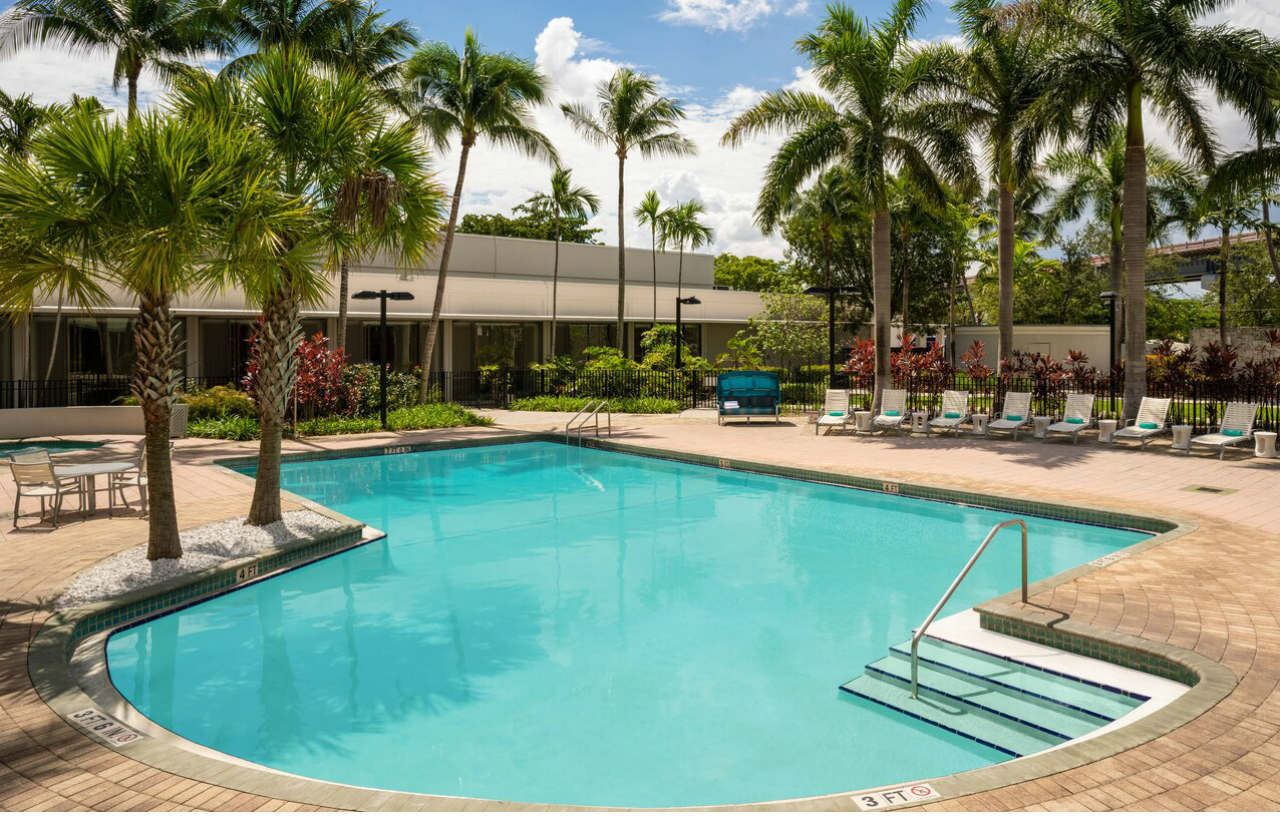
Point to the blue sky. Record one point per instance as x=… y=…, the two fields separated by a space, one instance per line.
x=718 y=56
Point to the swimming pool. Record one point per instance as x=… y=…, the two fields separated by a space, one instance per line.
x=7 y=447
x=555 y=624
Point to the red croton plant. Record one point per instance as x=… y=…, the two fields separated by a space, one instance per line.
x=318 y=387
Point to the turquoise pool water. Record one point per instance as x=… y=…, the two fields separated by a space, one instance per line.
x=553 y=624
x=7 y=447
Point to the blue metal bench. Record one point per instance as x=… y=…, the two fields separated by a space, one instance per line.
x=748 y=394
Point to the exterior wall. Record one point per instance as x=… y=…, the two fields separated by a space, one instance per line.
x=1251 y=342
x=1054 y=341
x=716 y=336
x=49 y=422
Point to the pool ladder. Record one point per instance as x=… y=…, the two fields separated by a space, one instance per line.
x=946 y=597
x=592 y=411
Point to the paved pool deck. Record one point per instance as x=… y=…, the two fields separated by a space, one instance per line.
x=1215 y=591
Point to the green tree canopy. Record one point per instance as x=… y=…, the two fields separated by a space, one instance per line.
x=529 y=224
x=755 y=274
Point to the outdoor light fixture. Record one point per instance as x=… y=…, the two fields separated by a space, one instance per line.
x=831 y=293
x=690 y=301
x=1109 y=299
x=382 y=296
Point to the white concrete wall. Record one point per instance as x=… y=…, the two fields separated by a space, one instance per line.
x=1054 y=341
x=55 y=422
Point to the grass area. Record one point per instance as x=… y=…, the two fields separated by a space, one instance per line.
x=623 y=405
x=409 y=418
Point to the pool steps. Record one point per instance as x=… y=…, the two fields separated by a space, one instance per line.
x=998 y=702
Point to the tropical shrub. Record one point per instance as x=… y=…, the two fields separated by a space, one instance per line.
x=408 y=418
x=624 y=405
x=228 y=427
x=360 y=382
x=219 y=401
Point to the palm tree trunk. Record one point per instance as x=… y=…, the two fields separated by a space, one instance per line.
x=132 y=79
x=622 y=261
x=1224 y=259
x=1117 y=275
x=555 y=287
x=154 y=377
x=57 y=330
x=277 y=341
x=653 y=250
x=906 y=278
x=1006 y=240
x=344 y=286
x=882 y=297
x=1135 y=257
x=1266 y=225
x=433 y=328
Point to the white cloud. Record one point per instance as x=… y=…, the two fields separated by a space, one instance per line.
x=50 y=74
x=797 y=8
x=719 y=15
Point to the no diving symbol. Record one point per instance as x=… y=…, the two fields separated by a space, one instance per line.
x=921 y=791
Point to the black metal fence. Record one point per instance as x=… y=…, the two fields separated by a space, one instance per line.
x=1198 y=403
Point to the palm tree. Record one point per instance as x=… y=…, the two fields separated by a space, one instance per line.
x=679 y=225
x=383 y=198
x=21 y=117
x=470 y=93
x=631 y=115
x=160 y=35
x=316 y=26
x=363 y=43
x=830 y=205
x=313 y=124
x=1094 y=182
x=159 y=207
x=563 y=199
x=1255 y=172
x=1118 y=58
x=996 y=84
x=647 y=213
x=1223 y=210
x=871 y=122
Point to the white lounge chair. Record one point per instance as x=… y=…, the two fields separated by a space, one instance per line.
x=1153 y=414
x=955 y=410
x=835 y=411
x=1077 y=415
x=893 y=410
x=1236 y=428
x=38 y=479
x=1016 y=414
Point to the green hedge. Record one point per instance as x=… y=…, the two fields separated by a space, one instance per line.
x=623 y=405
x=409 y=418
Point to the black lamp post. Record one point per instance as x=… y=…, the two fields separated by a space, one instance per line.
x=1109 y=298
x=691 y=301
x=382 y=296
x=831 y=293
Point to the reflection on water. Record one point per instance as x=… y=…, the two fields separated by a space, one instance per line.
x=653 y=634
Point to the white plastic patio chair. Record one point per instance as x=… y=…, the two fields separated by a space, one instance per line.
x=1077 y=415
x=133 y=478
x=38 y=479
x=955 y=410
x=1153 y=414
x=893 y=410
x=1236 y=428
x=1015 y=416
x=835 y=411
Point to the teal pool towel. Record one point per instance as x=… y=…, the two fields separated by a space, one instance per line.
x=1075 y=421
x=835 y=413
x=952 y=415
x=892 y=413
x=1232 y=432
x=1017 y=418
x=1148 y=425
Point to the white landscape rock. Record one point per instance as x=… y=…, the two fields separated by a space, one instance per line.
x=202 y=548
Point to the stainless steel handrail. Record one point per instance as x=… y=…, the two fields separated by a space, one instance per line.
x=919 y=634
x=595 y=407
x=569 y=425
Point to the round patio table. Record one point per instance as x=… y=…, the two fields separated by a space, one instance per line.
x=87 y=473
x=1264 y=444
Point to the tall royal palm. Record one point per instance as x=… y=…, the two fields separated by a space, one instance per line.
x=1119 y=58
x=158 y=207
x=996 y=82
x=313 y=25
x=470 y=94
x=162 y=36
x=870 y=119
x=630 y=115
x=647 y=212
x=830 y=205
x=679 y=225
x=367 y=44
x=562 y=200
x=1094 y=183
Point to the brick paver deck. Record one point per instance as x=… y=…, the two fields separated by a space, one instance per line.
x=1215 y=591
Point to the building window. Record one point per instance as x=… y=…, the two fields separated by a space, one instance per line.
x=401 y=347
x=573 y=338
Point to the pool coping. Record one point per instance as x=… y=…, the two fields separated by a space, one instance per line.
x=69 y=687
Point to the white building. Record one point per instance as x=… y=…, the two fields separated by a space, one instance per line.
x=497 y=310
